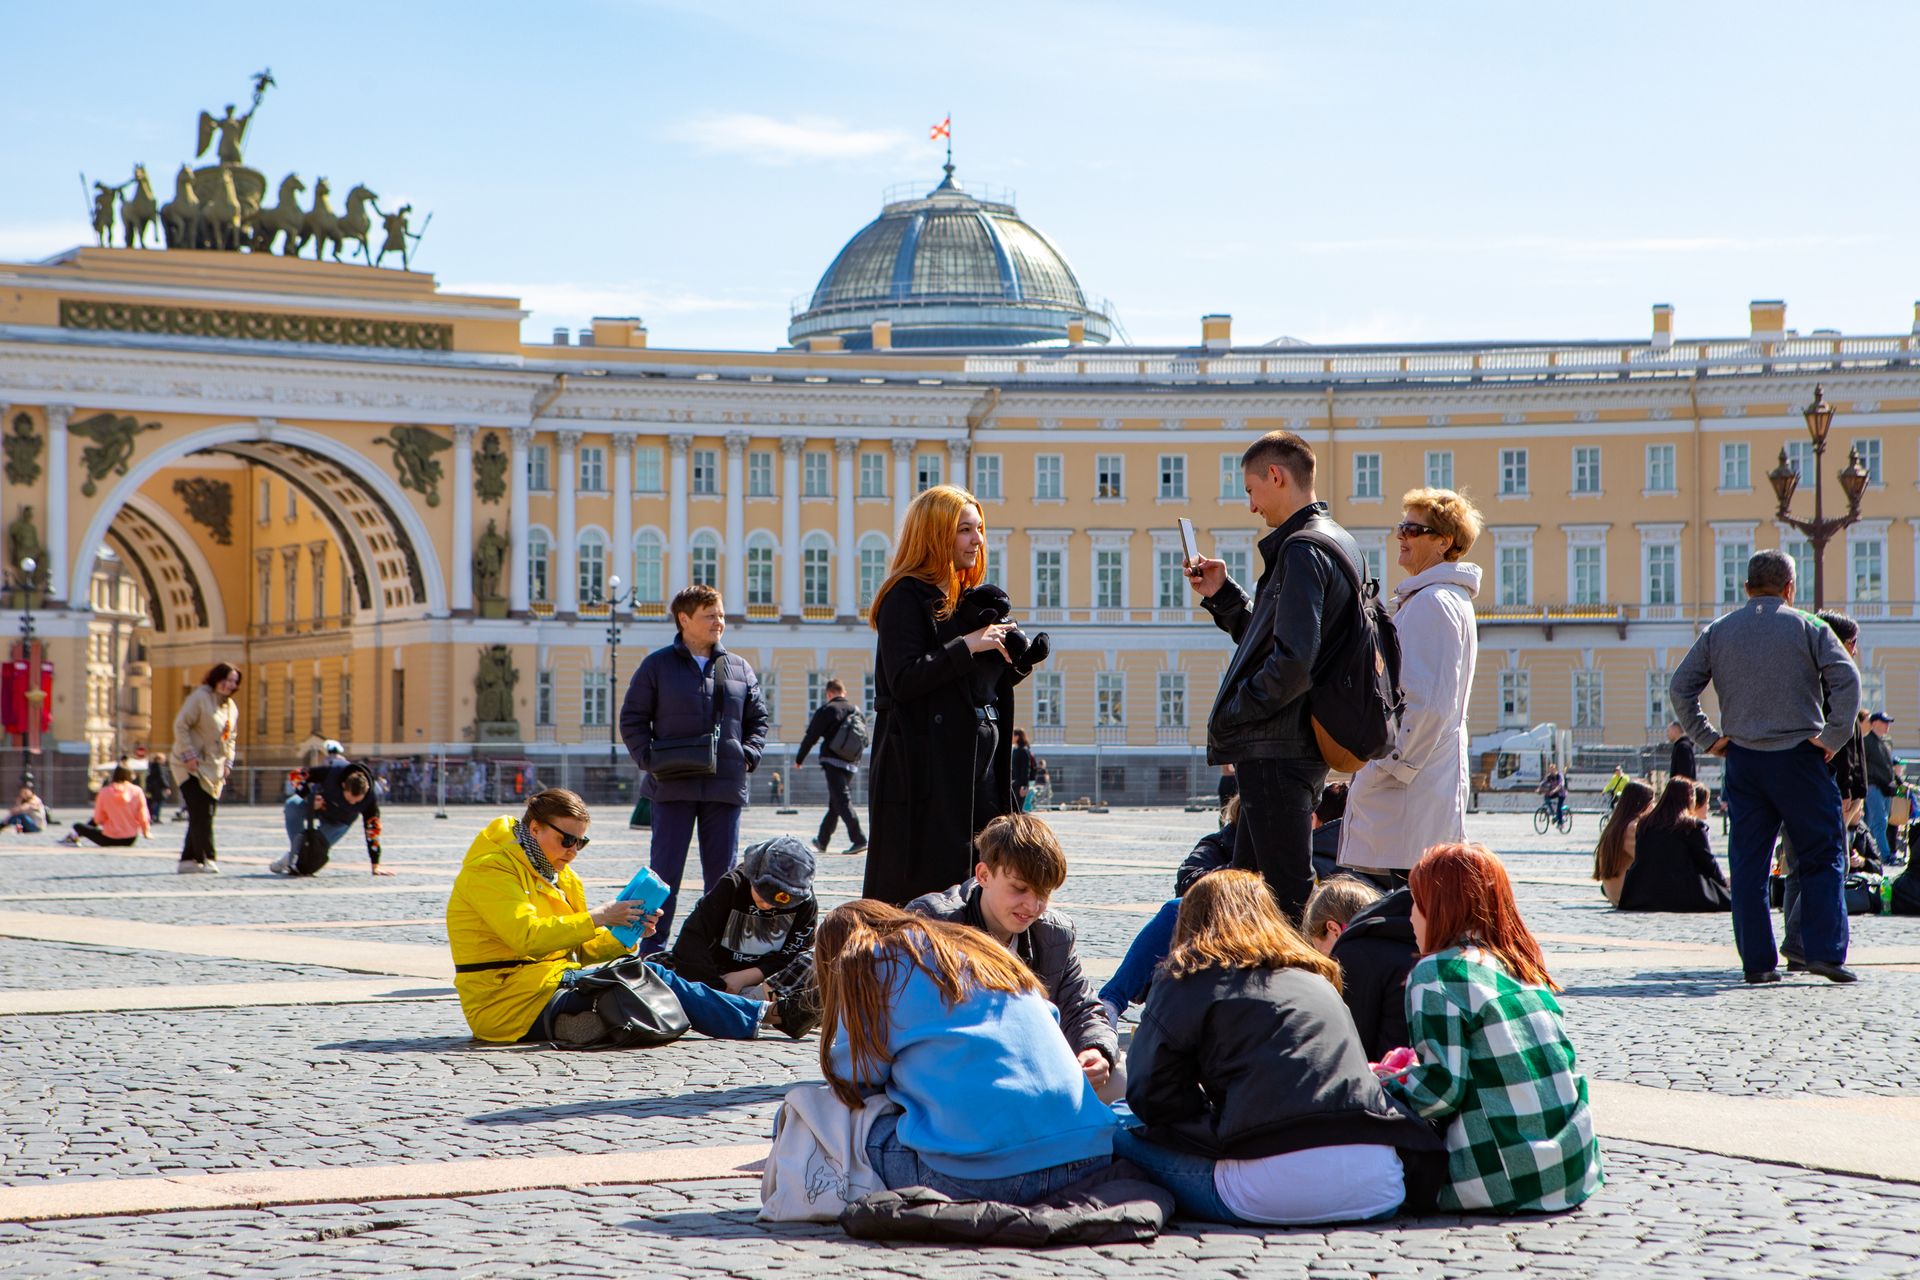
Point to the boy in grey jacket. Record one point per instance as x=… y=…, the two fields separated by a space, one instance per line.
x=1788 y=694
x=1021 y=865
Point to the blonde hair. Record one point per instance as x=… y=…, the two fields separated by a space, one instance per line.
x=1229 y=920
x=1449 y=514
x=1336 y=901
x=926 y=549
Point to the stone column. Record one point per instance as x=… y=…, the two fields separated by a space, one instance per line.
x=566 y=599
x=678 y=571
x=735 y=574
x=57 y=415
x=846 y=595
x=519 y=515
x=461 y=597
x=957 y=464
x=790 y=450
x=902 y=482
x=623 y=510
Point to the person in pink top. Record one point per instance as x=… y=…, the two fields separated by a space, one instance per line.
x=119 y=813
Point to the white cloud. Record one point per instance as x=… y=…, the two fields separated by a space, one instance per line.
x=28 y=241
x=770 y=140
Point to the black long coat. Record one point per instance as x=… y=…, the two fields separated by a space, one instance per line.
x=921 y=802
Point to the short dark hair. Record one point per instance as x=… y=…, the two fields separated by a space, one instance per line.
x=1281 y=449
x=1843 y=627
x=833 y=685
x=121 y=774
x=691 y=600
x=557 y=802
x=354 y=783
x=1025 y=845
x=1770 y=572
x=217 y=672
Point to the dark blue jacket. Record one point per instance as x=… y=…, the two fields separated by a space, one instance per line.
x=671 y=698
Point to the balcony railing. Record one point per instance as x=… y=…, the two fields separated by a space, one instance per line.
x=1622 y=616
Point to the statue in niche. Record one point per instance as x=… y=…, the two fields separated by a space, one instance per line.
x=493 y=687
x=489 y=564
x=490 y=469
x=23 y=452
x=23 y=544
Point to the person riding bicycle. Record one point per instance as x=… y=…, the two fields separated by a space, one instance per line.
x=1615 y=785
x=1554 y=788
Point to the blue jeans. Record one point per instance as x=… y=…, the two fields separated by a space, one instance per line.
x=24 y=822
x=296 y=815
x=673 y=826
x=1877 y=804
x=1128 y=985
x=900 y=1166
x=1795 y=788
x=1189 y=1177
x=717 y=1014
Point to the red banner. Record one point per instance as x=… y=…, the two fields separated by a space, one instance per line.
x=13 y=696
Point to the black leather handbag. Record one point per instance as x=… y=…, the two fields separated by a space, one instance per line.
x=671 y=759
x=640 y=1010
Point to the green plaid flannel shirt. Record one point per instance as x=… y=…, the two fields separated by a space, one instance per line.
x=1496 y=1065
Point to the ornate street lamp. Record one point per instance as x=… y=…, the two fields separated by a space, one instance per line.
x=1785 y=479
x=614 y=601
x=24 y=581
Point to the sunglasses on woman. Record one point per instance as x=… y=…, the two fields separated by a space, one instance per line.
x=570 y=841
x=1408 y=529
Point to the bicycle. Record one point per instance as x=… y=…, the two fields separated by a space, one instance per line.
x=1547 y=816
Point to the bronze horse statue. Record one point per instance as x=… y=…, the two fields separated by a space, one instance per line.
x=329 y=230
x=138 y=212
x=282 y=221
x=222 y=218
x=180 y=216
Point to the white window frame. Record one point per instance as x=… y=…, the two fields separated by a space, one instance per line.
x=703 y=480
x=647 y=468
x=762 y=565
x=1233 y=478
x=816 y=470
x=1736 y=466
x=1173 y=477
x=1367 y=471
x=816 y=571
x=929 y=470
x=1170 y=711
x=1587 y=471
x=539 y=469
x=760 y=473
x=986 y=477
x=1438 y=468
x=1513 y=474
x=873 y=475
x=1109 y=699
x=1109 y=477
x=1662 y=470
x=1049 y=477
x=1515 y=707
x=593 y=469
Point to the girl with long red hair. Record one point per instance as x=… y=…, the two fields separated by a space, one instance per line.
x=1495 y=1065
x=960 y=1035
x=941 y=767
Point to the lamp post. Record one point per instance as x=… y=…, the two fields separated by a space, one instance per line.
x=1785 y=478
x=613 y=600
x=23 y=582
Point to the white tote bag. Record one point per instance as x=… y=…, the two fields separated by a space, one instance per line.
x=818 y=1164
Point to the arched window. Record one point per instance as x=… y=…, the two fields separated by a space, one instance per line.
x=816 y=571
x=539 y=565
x=592 y=566
x=760 y=569
x=705 y=560
x=873 y=567
x=649 y=559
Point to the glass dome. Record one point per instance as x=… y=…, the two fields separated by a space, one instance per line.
x=948 y=269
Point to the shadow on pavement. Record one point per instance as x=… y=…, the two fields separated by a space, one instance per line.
x=676 y=1104
x=431 y=1044
x=1665 y=982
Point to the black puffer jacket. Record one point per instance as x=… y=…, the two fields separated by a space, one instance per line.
x=1300 y=610
x=1244 y=1063
x=1212 y=853
x=671 y=698
x=1376 y=952
x=1115 y=1205
x=1047 y=947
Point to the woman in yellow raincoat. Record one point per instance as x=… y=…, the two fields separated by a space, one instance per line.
x=520 y=930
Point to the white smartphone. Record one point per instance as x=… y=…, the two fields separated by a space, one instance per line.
x=1188 y=542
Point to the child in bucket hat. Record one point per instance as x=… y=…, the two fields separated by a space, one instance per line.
x=755 y=928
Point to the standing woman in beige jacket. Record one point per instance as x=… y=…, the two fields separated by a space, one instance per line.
x=203 y=751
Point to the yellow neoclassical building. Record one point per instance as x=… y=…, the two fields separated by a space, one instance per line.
x=404 y=522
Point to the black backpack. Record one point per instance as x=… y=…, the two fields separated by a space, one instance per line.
x=849 y=741
x=1355 y=702
x=313 y=852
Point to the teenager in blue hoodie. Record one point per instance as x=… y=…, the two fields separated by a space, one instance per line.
x=959 y=1034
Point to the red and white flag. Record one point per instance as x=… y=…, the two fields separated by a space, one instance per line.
x=942 y=130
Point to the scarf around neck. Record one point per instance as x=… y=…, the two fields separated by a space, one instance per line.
x=531 y=847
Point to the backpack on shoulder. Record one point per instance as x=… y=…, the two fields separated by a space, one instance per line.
x=314 y=851
x=850 y=740
x=1355 y=703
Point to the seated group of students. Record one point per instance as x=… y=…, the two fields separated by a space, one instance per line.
x=1255 y=1088
x=1654 y=855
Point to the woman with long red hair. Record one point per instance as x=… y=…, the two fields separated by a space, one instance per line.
x=961 y=1037
x=941 y=766
x=1495 y=1065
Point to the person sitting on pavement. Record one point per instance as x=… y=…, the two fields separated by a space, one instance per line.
x=335 y=793
x=1253 y=1090
x=756 y=927
x=1021 y=865
x=119 y=813
x=1673 y=867
x=1375 y=950
x=1128 y=985
x=959 y=1034
x=520 y=930
x=28 y=814
x=1493 y=1062
x=1613 y=856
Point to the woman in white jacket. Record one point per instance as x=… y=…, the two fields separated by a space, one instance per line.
x=1416 y=796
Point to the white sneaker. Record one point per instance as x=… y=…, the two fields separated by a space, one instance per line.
x=188 y=867
x=282 y=866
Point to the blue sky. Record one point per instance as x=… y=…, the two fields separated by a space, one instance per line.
x=1333 y=172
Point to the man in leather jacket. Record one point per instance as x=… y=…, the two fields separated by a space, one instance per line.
x=1300 y=610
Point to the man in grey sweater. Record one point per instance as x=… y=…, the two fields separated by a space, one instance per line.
x=1788 y=694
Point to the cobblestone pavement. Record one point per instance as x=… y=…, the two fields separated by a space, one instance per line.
x=1651 y=1000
